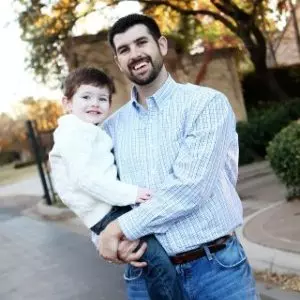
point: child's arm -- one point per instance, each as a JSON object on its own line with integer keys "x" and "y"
{"x": 143, "y": 195}
{"x": 92, "y": 174}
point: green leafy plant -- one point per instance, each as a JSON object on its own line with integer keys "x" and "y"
{"x": 284, "y": 155}
{"x": 262, "y": 126}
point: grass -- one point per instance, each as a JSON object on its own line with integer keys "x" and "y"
{"x": 9, "y": 175}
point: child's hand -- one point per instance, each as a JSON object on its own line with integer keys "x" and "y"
{"x": 143, "y": 195}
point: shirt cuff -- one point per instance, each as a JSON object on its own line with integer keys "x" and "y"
{"x": 130, "y": 229}
{"x": 95, "y": 239}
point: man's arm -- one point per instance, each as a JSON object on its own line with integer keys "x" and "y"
{"x": 193, "y": 176}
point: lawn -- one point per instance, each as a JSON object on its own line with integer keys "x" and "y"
{"x": 10, "y": 175}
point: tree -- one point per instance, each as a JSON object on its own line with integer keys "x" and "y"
{"x": 46, "y": 27}
{"x": 13, "y": 135}
{"x": 44, "y": 111}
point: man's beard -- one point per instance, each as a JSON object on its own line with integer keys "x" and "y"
{"x": 155, "y": 70}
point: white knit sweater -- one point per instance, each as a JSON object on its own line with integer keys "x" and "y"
{"x": 83, "y": 170}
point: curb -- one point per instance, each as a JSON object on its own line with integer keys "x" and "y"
{"x": 275, "y": 293}
{"x": 254, "y": 170}
{"x": 49, "y": 212}
{"x": 264, "y": 258}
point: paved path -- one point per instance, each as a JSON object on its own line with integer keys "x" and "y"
{"x": 31, "y": 186}
{"x": 277, "y": 227}
{"x": 34, "y": 263}
{"x": 42, "y": 261}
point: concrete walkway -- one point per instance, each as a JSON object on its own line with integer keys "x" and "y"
{"x": 264, "y": 257}
{"x": 41, "y": 260}
{"x": 276, "y": 227}
{"x": 270, "y": 234}
{"x": 30, "y": 186}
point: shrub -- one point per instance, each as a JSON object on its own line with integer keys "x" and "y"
{"x": 284, "y": 155}
{"x": 255, "y": 94}
{"x": 262, "y": 126}
{"x": 246, "y": 150}
{"x": 7, "y": 157}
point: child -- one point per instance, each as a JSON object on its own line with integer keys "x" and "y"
{"x": 83, "y": 152}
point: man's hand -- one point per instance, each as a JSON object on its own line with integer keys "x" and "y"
{"x": 126, "y": 252}
{"x": 109, "y": 241}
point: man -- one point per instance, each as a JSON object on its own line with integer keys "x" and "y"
{"x": 180, "y": 141}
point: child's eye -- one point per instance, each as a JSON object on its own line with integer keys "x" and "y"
{"x": 103, "y": 99}
{"x": 86, "y": 97}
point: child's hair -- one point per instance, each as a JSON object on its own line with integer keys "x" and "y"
{"x": 87, "y": 75}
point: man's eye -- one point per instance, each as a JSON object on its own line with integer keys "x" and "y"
{"x": 142, "y": 42}
{"x": 123, "y": 50}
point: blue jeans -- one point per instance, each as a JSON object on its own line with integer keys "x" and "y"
{"x": 224, "y": 275}
{"x": 161, "y": 281}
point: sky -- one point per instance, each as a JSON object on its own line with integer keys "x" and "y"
{"x": 15, "y": 81}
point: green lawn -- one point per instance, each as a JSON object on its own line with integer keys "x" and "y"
{"x": 10, "y": 175}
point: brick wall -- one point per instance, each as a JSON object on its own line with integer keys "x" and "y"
{"x": 93, "y": 50}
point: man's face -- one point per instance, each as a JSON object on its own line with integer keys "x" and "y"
{"x": 138, "y": 55}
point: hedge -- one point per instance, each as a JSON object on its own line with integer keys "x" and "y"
{"x": 255, "y": 94}
{"x": 284, "y": 155}
{"x": 262, "y": 126}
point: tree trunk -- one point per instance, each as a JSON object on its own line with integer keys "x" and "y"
{"x": 276, "y": 92}
{"x": 295, "y": 23}
{"x": 267, "y": 77}
{"x": 256, "y": 45}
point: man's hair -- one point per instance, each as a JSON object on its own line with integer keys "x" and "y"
{"x": 123, "y": 24}
{"x": 87, "y": 75}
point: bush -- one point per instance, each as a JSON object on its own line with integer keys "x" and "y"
{"x": 255, "y": 94}
{"x": 262, "y": 126}
{"x": 8, "y": 157}
{"x": 284, "y": 155}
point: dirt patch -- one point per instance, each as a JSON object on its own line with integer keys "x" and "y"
{"x": 283, "y": 281}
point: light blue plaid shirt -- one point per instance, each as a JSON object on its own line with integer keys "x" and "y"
{"x": 185, "y": 149}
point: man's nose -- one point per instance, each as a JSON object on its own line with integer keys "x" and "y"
{"x": 135, "y": 52}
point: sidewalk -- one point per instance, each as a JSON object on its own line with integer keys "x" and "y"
{"x": 270, "y": 233}
{"x": 271, "y": 230}
{"x": 40, "y": 260}
{"x": 270, "y": 245}
{"x": 31, "y": 186}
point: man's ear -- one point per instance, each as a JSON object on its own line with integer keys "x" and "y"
{"x": 117, "y": 62}
{"x": 67, "y": 104}
{"x": 163, "y": 45}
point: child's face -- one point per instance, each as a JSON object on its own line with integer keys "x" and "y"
{"x": 89, "y": 103}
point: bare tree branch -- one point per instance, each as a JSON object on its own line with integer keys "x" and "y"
{"x": 256, "y": 6}
{"x": 231, "y": 9}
